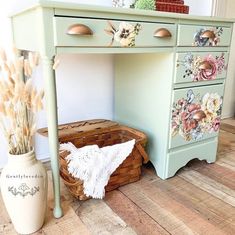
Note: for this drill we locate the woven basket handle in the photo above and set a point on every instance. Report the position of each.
(142, 152)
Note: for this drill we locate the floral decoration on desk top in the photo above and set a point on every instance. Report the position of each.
(192, 117)
(199, 41)
(192, 64)
(125, 34)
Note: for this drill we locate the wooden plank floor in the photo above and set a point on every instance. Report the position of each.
(200, 199)
(228, 125)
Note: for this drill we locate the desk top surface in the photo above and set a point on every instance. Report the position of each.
(107, 10)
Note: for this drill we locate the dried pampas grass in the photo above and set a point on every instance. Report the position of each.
(19, 100)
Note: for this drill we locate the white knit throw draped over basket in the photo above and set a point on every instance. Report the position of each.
(95, 165)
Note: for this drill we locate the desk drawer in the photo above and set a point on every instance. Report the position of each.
(104, 33)
(204, 66)
(196, 114)
(203, 36)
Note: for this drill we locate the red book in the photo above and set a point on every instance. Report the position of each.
(171, 1)
(170, 7)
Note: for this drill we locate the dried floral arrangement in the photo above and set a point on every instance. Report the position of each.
(19, 100)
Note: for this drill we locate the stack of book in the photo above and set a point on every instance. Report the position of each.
(172, 6)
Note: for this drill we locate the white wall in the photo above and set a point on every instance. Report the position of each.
(84, 82)
(84, 90)
(199, 7)
(226, 8)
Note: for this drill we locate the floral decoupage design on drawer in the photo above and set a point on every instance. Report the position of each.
(194, 116)
(125, 34)
(200, 41)
(192, 64)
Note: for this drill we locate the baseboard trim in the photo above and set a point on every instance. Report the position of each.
(45, 160)
(230, 115)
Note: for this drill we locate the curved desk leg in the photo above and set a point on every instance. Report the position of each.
(50, 91)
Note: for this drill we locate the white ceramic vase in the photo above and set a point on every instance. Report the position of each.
(24, 191)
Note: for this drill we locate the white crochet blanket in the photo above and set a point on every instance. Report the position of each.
(94, 165)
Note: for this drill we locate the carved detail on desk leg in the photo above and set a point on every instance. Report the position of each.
(50, 91)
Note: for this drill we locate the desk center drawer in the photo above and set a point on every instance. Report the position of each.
(81, 32)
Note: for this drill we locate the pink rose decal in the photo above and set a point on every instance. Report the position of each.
(192, 65)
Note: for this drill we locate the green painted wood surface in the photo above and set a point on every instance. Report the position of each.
(100, 38)
(47, 52)
(25, 30)
(202, 49)
(113, 50)
(183, 66)
(50, 91)
(186, 34)
(205, 150)
(143, 88)
(198, 84)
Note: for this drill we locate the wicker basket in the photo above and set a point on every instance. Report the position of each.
(103, 133)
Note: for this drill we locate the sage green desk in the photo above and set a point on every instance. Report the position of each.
(170, 71)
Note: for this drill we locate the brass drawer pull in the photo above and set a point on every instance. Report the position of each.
(162, 33)
(205, 65)
(199, 115)
(79, 29)
(208, 34)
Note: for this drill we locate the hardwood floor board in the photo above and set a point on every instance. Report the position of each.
(70, 223)
(228, 161)
(226, 165)
(228, 125)
(209, 208)
(226, 143)
(226, 225)
(210, 186)
(172, 215)
(7, 229)
(202, 220)
(231, 157)
(133, 215)
(6, 226)
(168, 221)
(4, 218)
(219, 173)
(100, 219)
